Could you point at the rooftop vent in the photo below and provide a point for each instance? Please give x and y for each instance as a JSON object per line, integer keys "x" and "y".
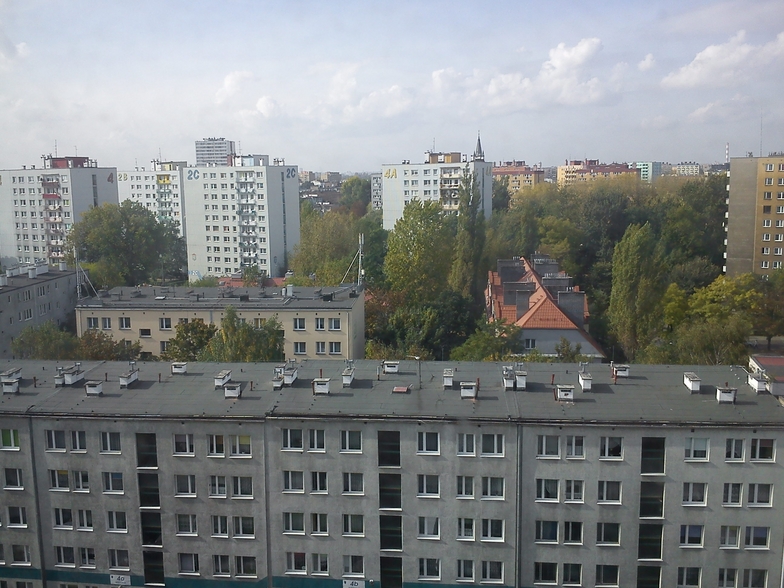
{"x": 232, "y": 390}
{"x": 131, "y": 376}
{"x": 449, "y": 375}
{"x": 564, "y": 392}
{"x": 619, "y": 370}
{"x": 93, "y": 387}
{"x": 348, "y": 374}
{"x": 469, "y": 389}
{"x": 692, "y": 381}
{"x": 320, "y": 385}
{"x": 508, "y": 376}
{"x": 391, "y": 367}
{"x": 68, "y": 376}
{"x": 520, "y": 376}
{"x": 10, "y": 380}
{"x": 402, "y": 389}
{"x": 726, "y": 395}
{"x": 222, "y": 378}
{"x": 585, "y": 380}
{"x": 758, "y": 383}
{"x": 179, "y": 367}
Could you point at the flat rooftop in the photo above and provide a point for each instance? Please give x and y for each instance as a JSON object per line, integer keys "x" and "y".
{"x": 650, "y": 395}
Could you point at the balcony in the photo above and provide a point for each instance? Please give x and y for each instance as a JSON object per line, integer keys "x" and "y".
{"x": 54, "y": 219}
{"x": 54, "y": 207}
{"x": 57, "y": 254}
{"x": 248, "y": 223}
{"x": 57, "y": 242}
{"x": 51, "y": 195}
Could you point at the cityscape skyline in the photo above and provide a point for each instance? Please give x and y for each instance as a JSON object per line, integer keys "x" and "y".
{"x": 129, "y": 83}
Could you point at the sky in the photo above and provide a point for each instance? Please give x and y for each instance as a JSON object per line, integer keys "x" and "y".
{"x": 349, "y": 85}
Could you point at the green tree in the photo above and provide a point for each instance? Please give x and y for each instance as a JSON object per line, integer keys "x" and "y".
{"x": 327, "y": 245}
{"x": 419, "y": 251}
{"x": 127, "y": 237}
{"x": 675, "y": 305}
{"x": 251, "y": 276}
{"x": 205, "y": 282}
{"x": 501, "y": 195}
{"x": 190, "y": 339}
{"x": 237, "y": 341}
{"x": 375, "y": 248}
{"x": 97, "y": 345}
{"x": 45, "y": 341}
{"x": 566, "y": 353}
{"x": 713, "y": 341}
{"x": 490, "y": 342}
{"x": 470, "y": 240}
{"x": 636, "y": 289}
{"x": 355, "y": 190}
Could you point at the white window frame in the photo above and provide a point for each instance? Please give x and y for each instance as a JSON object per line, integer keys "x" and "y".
{"x": 466, "y": 530}
{"x": 611, "y": 448}
{"x": 694, "y": 450}
{"x": 548, "y": 447}
{"x": 756, "y": 447}
{"x": 492, "y": 445}
{"x": 542, "y": 492}
{"x": 729, "y": 537}
{"x": 110, "y": 442}
{"x": 692, "y": 489}
{"x": 353, "y": 483}
{"x": 466, "y": 445}
{"x": 185, "y": 485}
{"x": 728, "y": 494}
{"x": 182, "y": 445}
{"x": 428, "y": 442}
{"x": 575, "y": 447}
{"x": 465, "y": 487}
{"x": 292, "y": 440}
{"x": 574, "y": 491}
{"x": 733, "y": 447}
{"x": 424, "y": 486}
{"x": 240, "y": 446}
{"x": 350, "y": 441}
{"x": 429, "y": 528}
{"x": 293, "y": 481}
{"x": 687, "y": 536}
{"x": 603, "y": 491}
{"x": 492, "y": 530}
{"x": 754, "y": 492}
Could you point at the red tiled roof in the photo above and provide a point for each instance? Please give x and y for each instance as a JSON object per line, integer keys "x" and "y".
{"x": 545, "y": 314}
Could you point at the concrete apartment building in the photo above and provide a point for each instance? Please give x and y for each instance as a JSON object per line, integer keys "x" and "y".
{"x": 239, "y": 215}
{"x": 438, "y": 178}
{"x": 30, "y": 295}
{"x": 317, "y": 323}
{"x": 576, "y": 172}
{"x": 755, "y": 219}
{"x": 520, "y": 175}
{"x": 214, "y": 151}
{"x": 649, "y": 170}
{"x": 38, "y": 206}
{"x": 401, "y": 474}
{"x": 688, "y": 168}
{"x": 158, "y": 189}
{"x": 376, "y": 192}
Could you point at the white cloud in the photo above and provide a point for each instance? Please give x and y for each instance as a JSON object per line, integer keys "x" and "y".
{"x": 231, "y": 85}
{"x": 646, "y": 63}
{"x": 267, "y": 107}
{"x": 720, "y": 18}
{"x": 384, "y": 103}
{"x": 727, "y": 64}
{"x": 722, "y": 110}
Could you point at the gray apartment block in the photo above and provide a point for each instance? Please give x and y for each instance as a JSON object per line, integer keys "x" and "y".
{"x": 388, "y": 474}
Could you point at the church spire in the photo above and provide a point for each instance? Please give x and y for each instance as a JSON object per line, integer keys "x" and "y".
{"x": 479, "y": 155}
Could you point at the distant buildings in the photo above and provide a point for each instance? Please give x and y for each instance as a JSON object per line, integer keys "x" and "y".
{"x": 688, "y": 168}
{"x": 38, "y": 206}
{"x": 576, "y": 171}
{"x": 158, "y": 189}
{"x": 649, "y": 170}
{"x": 520, "y": 175}
{"x": 214, "y": 151}
{"x": 540, "y": 299}
{"x": 376, "y": 192}
{"x": 438, "y": 178}
{"x": 755, "y": 220}
{"x": 30, "y": 295}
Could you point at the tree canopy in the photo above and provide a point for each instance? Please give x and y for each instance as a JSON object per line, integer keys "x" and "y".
{"x": 48, "y": 341}
{"x": 237, "y": 341}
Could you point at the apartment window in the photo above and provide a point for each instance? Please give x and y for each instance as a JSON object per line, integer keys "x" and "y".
{"x": 125, "y": 322}
{"x": 465, "y": 570}
{"x": 186, "y": 524}
{"x": 492, "y": 487}
{"x": 215, "y": 446}
{"x": 78, "y": 441}
{"x": 86, "y": 557}
{"x": 64, "y": 556}
{"x": 547, "y": 531}
{"x": 768, "y": 181}
{"x": 465, "y": 486}
{"x": 63, "y": 518}
{"x": 244, "y": 527}
{"x": 300, "y": 348}
{"x": 492, "y": 445}
{"x": 321, "y": 347}
{"x": 299, "y": 324}
{"x": 548, "y": 446}
{"x": 694, "y": 494}
{"x": 118, "y": 559}
{"x": 185, "y": 485}
{"x": 573, "y": 532}
{"x": 319, "y": 324}
{"x": 530, "y": 344}
{"x": 188, "y": 563}
{"x": 293, "y": 481}
{"x": 691, "y": 536}
{"x": 106, "y": 323}
{"x": 465, "y": 529}
{"x": 689, "y": 577}
{"x": 145, "y": 333}
{"x": 609, "y": 491}
{"x": 292, "y": 440}
{"x": 651, "y": 499}
{"x": 239, "y": 446}
{"x": 17, "y": 517}
{"x": 218, "y": 487}
{"x": 92, "y": 322}
{"x": 351, "y": 441}
{"x": 608, "y": 533}
{"x": 727, "y": 577}
{"x": 696, "y": 449}
{"x": 9, "y": 439}
{"x": 116, "y": 522}
{"x": 547, "y": 490}
{"x": 58, "y": 480}
{"x": 183, "y": 444}
{"x": 353, "y": 483}
{"x": 334, "y": 324}
{"x": 766, "y": 222}
{"x": 164, "y": 323}
{"x": 428, "y": 527}
{"x": 573, "y": 491}
{"x": 427, "y": 442}
{"x": 110, "y": 442}
{"x": 545, "y": 572}
{"x": 55, "y": 440}
{"x": 606, "y": 575}
{"x": 316, "y": 440}
{"x": 492, "y": 529}
{"x": 242, "y": 487}
{"x": 755, "y": 578}
{"x": 760, "y": 495}
{"x": 757, "y": 537}
{"x": 465, "y": 444}
{"x": 763, "y": 450}
{"x": 429, "y": 568}
{"x": 611, "y": 448}
{"x": 729, "y": 538}
{"x": 575, "y": 447}
{"x": 732, "y": 494}
{"x": 764, "y": 264}
{"x": 85, "y": 520}
{"x": 318, "y": 482}
{"x": 649, "y": 545}
{"x": 353, "y": 565}
{"x": 734, "y": 450}
{"x": 294, "y": 522}
{"x": 295, "y": 562}
{"x": 318, "y": 523}
{"x": 572, "y": 574}
{"x": 220, "y": 526}
{"x": 427, "y": 485}
{"x": 493, "y": 572}
{"x": 13, "y": 479}
{"x": 320, "y": 563}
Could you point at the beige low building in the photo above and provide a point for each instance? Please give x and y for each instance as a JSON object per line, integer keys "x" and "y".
{"x": 324, "y": 323}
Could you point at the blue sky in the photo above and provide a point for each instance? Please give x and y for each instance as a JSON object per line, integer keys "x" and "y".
{"x": 350, "y": 85}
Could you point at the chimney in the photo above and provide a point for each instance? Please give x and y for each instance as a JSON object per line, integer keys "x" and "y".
{"x": 573, "y": 305}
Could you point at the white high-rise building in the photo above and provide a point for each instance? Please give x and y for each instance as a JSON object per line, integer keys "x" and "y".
{"x": 241, "y": 215}
{"x": 159, "y": 189}
{"x": 214, "y": 151}
{"x": 438, "y": 178}
{"x": 38, "y": 206}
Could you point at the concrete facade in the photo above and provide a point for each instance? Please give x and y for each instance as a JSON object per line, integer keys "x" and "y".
{"x": 214, "y": 151}
{"x": 394, "y": 479}
{"x": 159, "y": 189}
